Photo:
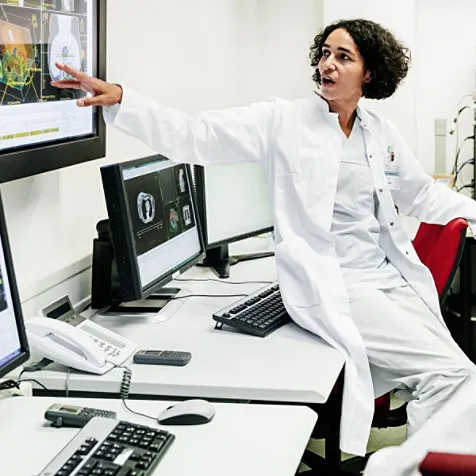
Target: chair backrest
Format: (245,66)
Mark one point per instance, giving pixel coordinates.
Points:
(444,464)
(440,248)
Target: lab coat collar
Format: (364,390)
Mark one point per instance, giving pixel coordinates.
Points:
(362,114)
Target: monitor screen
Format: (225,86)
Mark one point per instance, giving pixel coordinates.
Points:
(234,202)
(155,232)
(34,35)
(13,344)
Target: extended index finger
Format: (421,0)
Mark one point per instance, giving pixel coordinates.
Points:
(79,75)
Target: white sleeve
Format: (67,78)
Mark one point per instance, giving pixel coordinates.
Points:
(422,198)
(233,135)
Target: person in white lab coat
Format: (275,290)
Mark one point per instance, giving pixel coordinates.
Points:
(337,174)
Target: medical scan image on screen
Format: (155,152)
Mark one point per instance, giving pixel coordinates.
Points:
(34,35)
(162,217)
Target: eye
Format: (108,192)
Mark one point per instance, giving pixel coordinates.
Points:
(345,57)
(325,53)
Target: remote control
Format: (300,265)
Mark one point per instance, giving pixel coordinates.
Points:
(71,415)
(162,357)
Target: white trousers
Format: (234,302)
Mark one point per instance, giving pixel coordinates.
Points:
(409,349)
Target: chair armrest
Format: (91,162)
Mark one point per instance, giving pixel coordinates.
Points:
(446,464)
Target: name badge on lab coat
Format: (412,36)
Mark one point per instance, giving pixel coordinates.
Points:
(392,170)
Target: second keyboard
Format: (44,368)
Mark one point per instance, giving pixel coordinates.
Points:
(259,313)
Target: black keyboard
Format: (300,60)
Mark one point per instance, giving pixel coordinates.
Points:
(259,313)
(106,447)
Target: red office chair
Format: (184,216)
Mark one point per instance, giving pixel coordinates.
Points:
(440,248)
(445,464)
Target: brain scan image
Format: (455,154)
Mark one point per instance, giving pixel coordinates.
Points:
(64,44)
(17,56)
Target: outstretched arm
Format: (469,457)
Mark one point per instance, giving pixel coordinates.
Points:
(233,135)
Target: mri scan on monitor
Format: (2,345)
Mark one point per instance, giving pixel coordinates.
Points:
(64,44)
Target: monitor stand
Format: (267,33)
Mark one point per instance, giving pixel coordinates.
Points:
(153,303)
(219,259)
(105,288)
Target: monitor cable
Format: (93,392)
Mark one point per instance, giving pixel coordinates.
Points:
(10,384)
(208,296)
(222,281)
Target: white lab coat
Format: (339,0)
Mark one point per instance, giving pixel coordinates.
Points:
(298,144)
(449,430)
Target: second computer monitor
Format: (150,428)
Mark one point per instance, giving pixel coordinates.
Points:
(14,348)
(234,204)
(155,232)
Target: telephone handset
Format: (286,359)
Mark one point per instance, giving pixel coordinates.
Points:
(67,345)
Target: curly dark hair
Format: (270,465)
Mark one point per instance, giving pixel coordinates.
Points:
(386,58)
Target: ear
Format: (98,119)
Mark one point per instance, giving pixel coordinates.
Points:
(367,77)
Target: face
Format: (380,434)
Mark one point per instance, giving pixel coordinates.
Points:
(341,68)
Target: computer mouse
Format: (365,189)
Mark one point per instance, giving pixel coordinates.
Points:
(188,412)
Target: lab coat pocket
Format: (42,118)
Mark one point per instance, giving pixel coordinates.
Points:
(296,276)
(311,175)
(354,179)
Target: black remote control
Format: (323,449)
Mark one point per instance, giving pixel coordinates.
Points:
(162,357)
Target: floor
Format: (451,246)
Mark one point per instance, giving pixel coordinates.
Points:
(379,438)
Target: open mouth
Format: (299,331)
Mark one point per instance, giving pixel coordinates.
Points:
(328,82)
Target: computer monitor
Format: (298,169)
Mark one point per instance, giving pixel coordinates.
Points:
(233,204)
(41,127)
(14,348)
(153,228)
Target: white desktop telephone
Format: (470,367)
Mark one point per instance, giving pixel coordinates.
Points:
(66,345)
(72,340)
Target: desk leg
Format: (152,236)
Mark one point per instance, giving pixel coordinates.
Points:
(465,286)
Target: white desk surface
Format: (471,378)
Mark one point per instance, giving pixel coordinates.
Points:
(261,440)
(289,365)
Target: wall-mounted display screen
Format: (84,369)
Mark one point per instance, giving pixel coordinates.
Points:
(40,123)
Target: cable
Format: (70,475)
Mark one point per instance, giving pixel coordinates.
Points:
(461,167)
(128,408)
(464,186)
(38,383)
(455,120)
(208,295)
(67,382)
(461,108)
(124,392)
(126,381)
(455,165)
(9,384)
(224,282)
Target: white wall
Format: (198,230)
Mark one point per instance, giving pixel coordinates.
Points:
(445,59)
(276,36)
(188,54)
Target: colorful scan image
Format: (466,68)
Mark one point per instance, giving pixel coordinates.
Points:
(34,36)
(18,56)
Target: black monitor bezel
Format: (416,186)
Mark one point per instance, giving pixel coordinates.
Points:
(129,267)
(21,163)
(200,185)
(25,349)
